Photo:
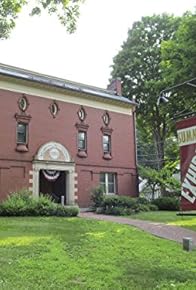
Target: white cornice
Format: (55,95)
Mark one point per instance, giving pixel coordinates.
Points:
(44,91)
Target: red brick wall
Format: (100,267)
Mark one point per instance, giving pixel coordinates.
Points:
(44,128)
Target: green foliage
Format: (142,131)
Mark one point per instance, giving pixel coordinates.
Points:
(97,196)
(119,201)
(122,205)
(167,203)
(161,178)
(140,66)
(23,204)
(153,207)
(179,65)
(67,12)
(179,53)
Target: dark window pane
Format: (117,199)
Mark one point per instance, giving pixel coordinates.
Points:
(102,177)
(111,188)
(21,133)
(111,177)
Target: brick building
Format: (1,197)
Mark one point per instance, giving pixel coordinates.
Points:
(64,138)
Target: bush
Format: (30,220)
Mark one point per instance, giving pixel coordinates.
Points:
(167,203)
(97,196)
(119,201)
(153,207)
(23,204)
(143,207)
(143,200)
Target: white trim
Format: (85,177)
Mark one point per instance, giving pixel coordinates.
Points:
(60,95)
(107,182)
(42,162)
(53,147)
(69,169)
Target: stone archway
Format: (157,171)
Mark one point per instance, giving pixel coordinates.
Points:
(54,156)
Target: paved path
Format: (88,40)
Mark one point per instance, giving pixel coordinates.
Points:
(174,233)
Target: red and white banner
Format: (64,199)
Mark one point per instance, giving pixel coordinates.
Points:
(186,130)
(51,175)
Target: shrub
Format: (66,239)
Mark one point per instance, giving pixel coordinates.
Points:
(143,200)
(100,210)
(116,210)
(167,203)
(23,204)
(97,196)
(153,207)
(119,201)
(143,207)
(68,211)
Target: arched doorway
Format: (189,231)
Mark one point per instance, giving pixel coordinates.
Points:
(54,173)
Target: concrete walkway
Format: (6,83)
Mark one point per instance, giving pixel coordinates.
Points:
(161,230)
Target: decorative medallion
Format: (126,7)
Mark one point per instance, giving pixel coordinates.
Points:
(82,114)
(23,103)
(106,118)
(54,153)
(54,108)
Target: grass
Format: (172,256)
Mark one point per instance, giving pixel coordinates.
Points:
(168,217)
(75,253)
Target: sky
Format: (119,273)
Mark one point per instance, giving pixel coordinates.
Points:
(42,44)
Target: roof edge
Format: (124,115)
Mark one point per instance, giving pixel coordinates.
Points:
(31,76)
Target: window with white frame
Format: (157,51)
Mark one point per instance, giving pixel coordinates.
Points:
(81,140)
(22,133)
(106,143)
(108,182)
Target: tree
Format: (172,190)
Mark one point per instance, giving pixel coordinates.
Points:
(67,12)
(179,53)
(138,64)
(162,178)
(179,63)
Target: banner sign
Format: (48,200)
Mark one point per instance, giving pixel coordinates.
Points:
(186,130)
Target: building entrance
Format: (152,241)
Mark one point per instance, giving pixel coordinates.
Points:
(54,173)
(53,183)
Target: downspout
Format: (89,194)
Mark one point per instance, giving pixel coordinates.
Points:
(135,150)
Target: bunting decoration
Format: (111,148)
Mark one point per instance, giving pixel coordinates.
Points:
(51,175)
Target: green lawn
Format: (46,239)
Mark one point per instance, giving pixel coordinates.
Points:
(74,253)
(168,217)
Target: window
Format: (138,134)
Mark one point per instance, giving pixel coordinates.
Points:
(21,133)
(81,140)
(54,109)
(23,103)
(82,114)
(108,181)
(106,143)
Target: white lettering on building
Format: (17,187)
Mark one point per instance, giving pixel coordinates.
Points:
(187,136)
(189,184)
